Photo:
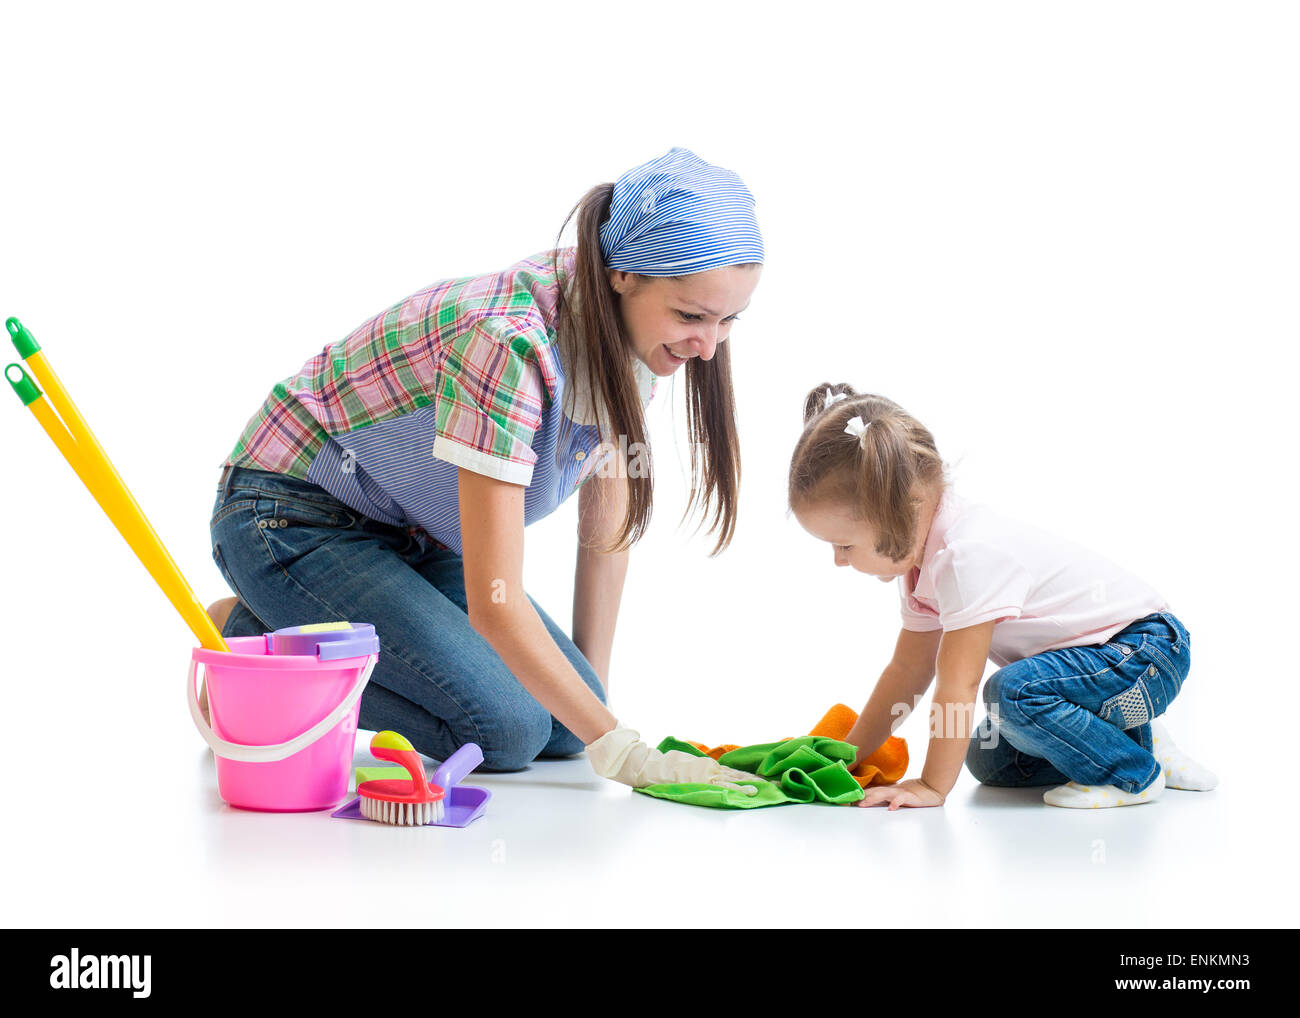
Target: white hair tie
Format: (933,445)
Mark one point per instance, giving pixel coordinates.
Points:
(832,398)
(858,429)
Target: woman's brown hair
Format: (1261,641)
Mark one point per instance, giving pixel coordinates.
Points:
(883,476)
(710,401)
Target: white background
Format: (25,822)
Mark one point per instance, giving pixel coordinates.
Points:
(1062,235)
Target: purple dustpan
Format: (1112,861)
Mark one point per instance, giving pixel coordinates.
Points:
(462,804)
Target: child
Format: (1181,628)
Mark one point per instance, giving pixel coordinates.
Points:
(1089,653)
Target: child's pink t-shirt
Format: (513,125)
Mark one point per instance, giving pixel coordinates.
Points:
(1043,591)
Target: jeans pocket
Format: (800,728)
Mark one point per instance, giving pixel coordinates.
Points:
(293,527)
(287,511)
(1156,677)
(1130,708)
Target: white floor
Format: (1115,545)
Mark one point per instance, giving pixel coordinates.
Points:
(1094,317)
(115,821)
(559,846)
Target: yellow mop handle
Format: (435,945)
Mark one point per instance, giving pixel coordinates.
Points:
(87,458)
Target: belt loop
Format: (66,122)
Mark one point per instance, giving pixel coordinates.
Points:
(225,477)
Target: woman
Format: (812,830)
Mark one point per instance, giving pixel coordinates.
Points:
(391,479)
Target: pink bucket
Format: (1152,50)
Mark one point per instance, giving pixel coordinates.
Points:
(283,725)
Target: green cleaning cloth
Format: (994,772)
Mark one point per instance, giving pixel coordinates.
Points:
(811,768)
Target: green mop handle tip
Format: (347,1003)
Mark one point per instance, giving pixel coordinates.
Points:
(22,384)
(24,341)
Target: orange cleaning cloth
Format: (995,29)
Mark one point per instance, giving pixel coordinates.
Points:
(883,767)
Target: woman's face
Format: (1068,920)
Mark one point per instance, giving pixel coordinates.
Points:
(669,321)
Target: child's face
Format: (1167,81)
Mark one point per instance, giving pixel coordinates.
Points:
(853,540)
(669,321)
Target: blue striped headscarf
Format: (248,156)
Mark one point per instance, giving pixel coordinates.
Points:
(677,215)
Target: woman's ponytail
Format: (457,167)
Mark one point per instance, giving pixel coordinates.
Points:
(610,378)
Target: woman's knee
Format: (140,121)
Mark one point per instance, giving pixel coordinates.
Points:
(563,743)
(512,742)
(510,735)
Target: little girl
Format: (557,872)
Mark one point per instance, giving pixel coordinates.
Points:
(1089,653)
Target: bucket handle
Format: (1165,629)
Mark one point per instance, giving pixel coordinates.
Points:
(279,751)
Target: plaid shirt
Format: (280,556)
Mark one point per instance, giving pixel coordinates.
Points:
(465,373)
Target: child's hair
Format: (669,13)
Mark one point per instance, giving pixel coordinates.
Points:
(710,401)
(882,478)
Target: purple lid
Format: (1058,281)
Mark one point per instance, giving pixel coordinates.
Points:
(328,641)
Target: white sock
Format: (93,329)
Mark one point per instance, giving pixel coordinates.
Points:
(1181,771)
(1077,796)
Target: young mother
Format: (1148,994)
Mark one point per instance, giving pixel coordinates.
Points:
(390,480)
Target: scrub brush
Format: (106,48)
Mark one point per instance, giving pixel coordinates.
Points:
(411,803)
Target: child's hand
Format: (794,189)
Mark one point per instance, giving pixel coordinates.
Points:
(913,792)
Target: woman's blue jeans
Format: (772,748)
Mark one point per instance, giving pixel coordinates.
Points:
(294,555)
(1082,713)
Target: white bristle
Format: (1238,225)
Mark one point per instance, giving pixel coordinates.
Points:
(401,814)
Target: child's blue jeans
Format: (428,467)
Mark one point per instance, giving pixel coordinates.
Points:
(295,555)
(1082,713)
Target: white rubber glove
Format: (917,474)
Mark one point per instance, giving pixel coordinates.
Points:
(621,756)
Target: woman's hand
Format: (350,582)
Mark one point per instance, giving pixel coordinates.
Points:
(620,755)
(913,792)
